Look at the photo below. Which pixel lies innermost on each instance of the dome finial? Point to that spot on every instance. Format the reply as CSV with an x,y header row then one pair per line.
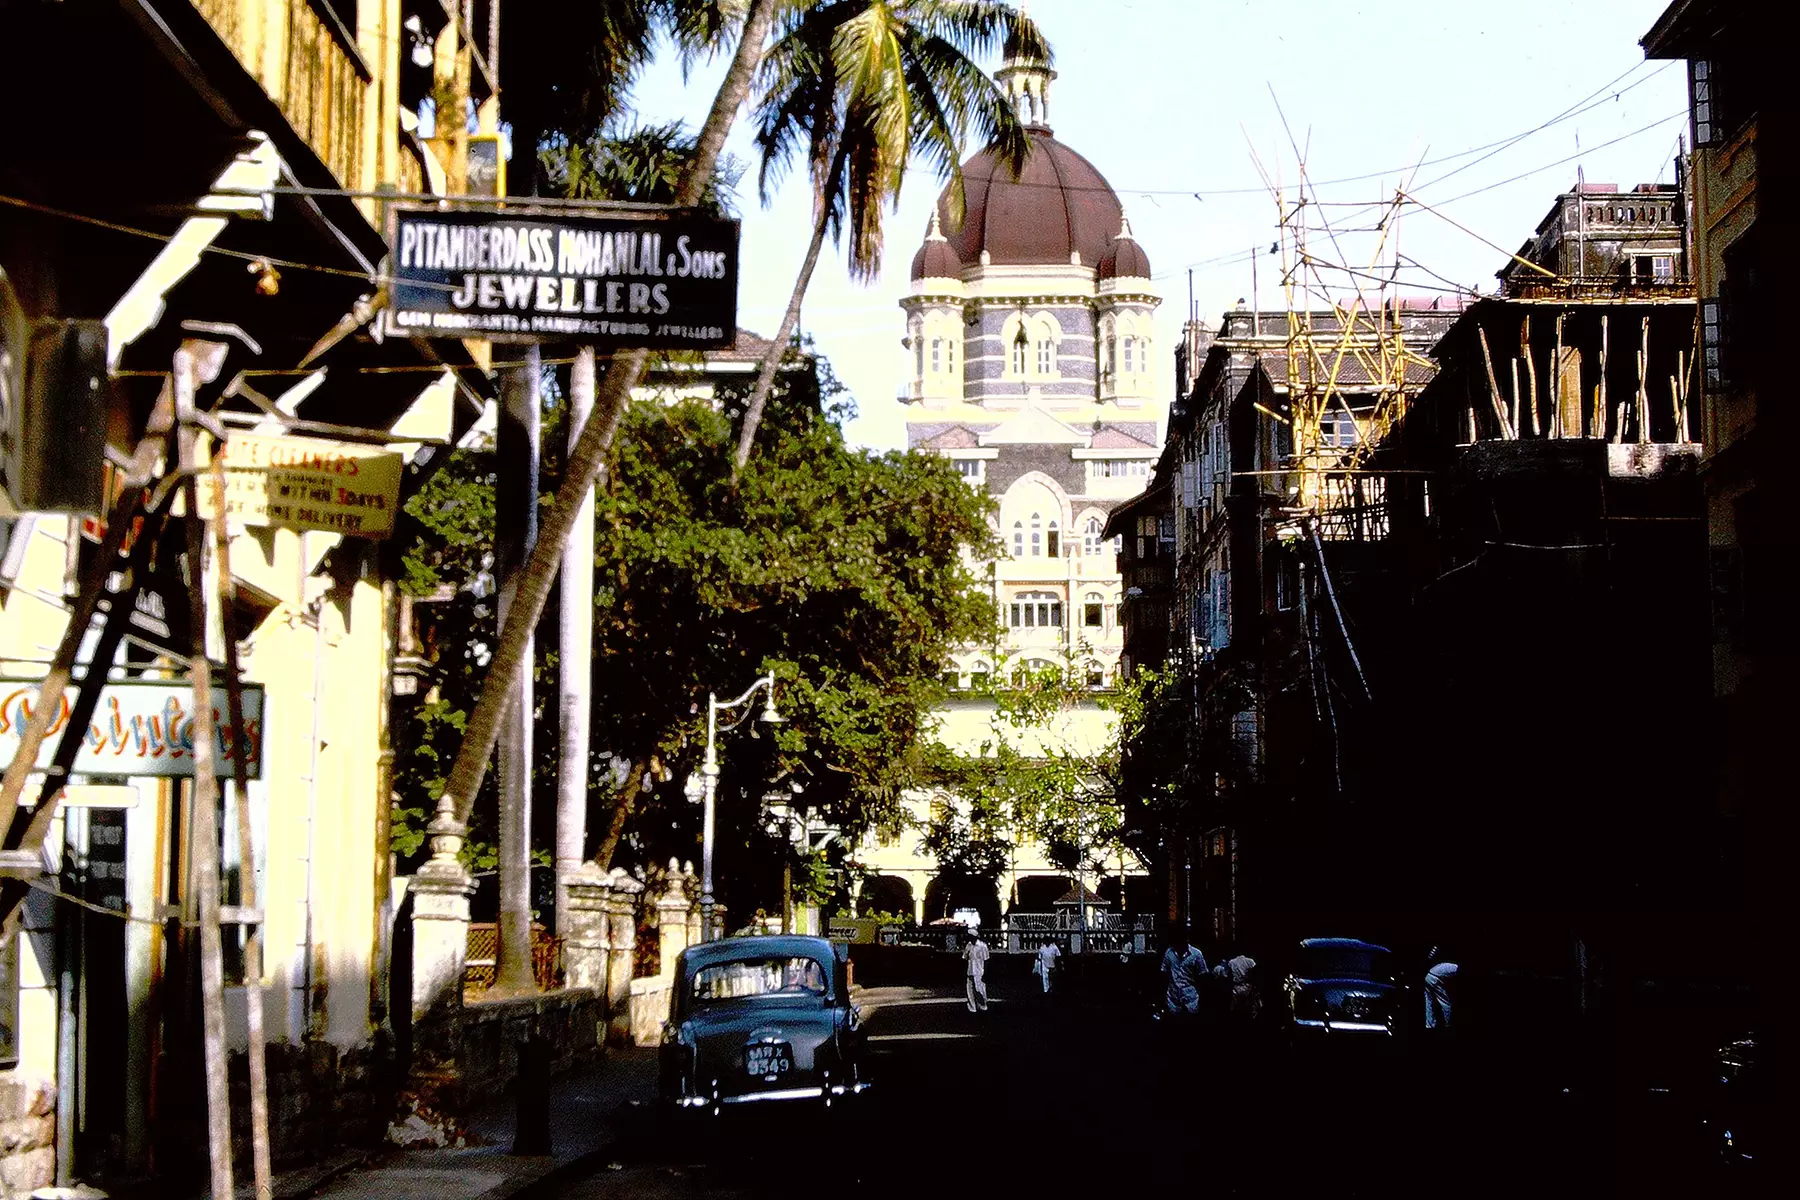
x,y
1124,226
1026,74
936,232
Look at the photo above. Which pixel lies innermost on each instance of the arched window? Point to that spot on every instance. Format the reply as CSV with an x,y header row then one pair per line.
x,y
1090,541
980,675
1037,536
1018,539
1036,610
1055,540
1093,610
937,355
1046,356
1019,345
950,355
1128,360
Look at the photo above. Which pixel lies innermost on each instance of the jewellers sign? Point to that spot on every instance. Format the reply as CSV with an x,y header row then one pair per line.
x,y
618,281
138,729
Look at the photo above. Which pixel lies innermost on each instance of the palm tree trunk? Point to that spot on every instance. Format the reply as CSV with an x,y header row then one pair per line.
x,y
575,660
622,809
771,361
585,461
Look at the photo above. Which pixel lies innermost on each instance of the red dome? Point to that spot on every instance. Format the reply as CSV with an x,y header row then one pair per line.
x,y
935,259
1059,205
1125,259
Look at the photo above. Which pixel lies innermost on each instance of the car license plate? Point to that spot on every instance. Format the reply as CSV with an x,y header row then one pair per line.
x,y
768,1061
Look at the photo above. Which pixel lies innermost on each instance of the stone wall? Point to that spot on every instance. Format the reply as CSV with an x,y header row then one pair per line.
x,y
27,1134
321,1099
572,1021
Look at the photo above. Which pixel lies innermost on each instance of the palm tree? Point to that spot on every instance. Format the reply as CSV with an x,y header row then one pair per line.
x,y
568,68
860,86
585,457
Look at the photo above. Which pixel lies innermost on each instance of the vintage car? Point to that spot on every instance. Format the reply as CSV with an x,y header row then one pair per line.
x,y
1341,985
761,1019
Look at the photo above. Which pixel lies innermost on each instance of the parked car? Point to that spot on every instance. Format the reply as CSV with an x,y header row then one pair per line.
x,y
1342,985
761,1019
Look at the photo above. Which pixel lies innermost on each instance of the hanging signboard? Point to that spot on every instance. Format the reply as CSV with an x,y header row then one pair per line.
x,y
139,728
660,281
304,483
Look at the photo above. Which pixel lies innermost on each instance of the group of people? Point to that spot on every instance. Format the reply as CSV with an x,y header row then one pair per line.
x,y
975,957
1184,974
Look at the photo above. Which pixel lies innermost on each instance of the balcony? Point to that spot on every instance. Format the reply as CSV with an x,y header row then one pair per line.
x,y
308,63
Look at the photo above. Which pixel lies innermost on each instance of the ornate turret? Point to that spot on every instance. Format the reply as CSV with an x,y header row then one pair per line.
x,y
1026,76
936,259
1126,259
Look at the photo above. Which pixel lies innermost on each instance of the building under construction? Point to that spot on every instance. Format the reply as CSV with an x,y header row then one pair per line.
x,y
1440,605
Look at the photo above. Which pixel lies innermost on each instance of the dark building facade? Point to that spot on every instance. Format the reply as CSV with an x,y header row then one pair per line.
x,y
1598,237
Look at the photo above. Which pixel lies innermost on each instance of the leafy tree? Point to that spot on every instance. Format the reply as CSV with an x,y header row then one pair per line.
x,y
859,87
1034,777
840,570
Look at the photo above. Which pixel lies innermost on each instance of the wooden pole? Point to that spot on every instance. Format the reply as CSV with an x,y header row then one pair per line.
x,y
1529,428
1601,410
1643,396
1531,378
203,849
256,1052
1487,357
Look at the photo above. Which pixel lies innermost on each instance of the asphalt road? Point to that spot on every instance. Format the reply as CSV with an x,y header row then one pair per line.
x,y
1085,1096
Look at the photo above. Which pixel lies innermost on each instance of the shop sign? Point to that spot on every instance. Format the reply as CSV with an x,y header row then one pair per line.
x,y
305,483
139,728
664,279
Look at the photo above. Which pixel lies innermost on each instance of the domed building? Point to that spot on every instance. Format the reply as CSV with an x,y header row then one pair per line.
x,y
1031,336
1029,330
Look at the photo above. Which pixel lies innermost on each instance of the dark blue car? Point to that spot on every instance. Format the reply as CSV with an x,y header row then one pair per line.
x,y
1343,986
761,1019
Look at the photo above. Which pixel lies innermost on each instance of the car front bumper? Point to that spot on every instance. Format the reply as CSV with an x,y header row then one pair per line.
x,y
778,1094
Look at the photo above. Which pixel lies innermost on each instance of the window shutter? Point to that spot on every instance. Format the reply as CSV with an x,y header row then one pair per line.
x,y
1700,97
1712,343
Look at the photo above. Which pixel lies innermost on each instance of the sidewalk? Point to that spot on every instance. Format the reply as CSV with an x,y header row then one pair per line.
x,y
584,1118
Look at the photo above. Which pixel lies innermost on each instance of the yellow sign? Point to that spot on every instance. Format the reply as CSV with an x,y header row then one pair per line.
x,y
304,483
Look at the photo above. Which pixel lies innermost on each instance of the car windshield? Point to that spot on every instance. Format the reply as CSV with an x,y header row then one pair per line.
x,y
772,976
1344,962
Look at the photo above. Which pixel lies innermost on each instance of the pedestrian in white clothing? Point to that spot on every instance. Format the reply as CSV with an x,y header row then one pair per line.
x,y
1439,984
975,956
1047,955
1183,969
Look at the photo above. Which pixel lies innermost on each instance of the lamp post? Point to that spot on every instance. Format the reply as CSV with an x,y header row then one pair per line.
x,y
709,771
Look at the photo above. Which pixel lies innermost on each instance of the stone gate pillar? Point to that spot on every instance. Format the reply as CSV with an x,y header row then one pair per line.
x,y
673,909
586,937
440,895
621,908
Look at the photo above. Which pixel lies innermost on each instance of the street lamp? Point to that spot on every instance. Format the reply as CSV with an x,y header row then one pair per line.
x,y
709,771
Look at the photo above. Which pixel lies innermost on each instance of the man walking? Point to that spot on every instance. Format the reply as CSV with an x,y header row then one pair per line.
x,y
1047,955
975,956
1183,970
1439,984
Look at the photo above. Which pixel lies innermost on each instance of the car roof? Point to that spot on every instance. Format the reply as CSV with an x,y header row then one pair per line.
x,y
737,949
1340,944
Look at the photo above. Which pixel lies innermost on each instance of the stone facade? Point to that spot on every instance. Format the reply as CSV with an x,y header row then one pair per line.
x,y
27,1134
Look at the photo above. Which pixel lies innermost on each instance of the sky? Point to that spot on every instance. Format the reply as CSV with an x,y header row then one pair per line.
x,y
1177,102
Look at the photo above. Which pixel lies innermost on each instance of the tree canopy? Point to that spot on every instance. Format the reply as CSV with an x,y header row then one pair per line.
x,y
840,570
